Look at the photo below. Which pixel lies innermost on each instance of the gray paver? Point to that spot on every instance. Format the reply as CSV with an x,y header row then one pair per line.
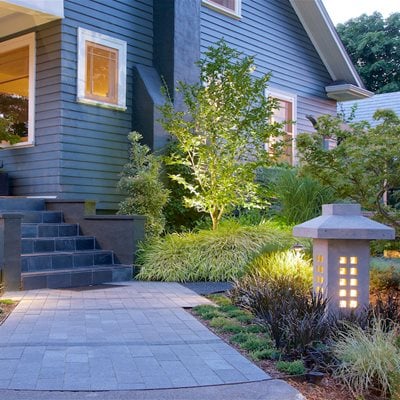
x,y
123,337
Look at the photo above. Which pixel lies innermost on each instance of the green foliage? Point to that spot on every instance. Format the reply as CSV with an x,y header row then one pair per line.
x,y
300,198
277,291
222,132
11,109
208,255
140,181
178,216
264,354
363,166
207,312
227,325
291,367
373,44
368,359
256,343
384,278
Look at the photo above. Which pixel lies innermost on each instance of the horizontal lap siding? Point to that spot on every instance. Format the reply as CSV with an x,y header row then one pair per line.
x,y
94,139
270,30
35,170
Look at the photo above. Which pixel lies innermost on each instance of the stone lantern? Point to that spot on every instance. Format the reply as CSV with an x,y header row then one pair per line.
x,y
341,254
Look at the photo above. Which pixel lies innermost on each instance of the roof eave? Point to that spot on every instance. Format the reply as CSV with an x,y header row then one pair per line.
x,y
322,33
347,91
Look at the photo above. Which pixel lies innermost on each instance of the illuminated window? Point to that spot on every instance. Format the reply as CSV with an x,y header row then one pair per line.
x,y
343,271
320,269
343,260
343,304
353,260
342,282
231,7
17,87
285,114
353,271
342,292
101,70
320,259
353,293
353,303
353,282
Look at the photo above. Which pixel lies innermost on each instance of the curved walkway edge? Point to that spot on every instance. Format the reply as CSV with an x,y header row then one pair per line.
x,y
132,339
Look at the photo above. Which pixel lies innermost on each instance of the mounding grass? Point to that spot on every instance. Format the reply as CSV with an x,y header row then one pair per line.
x,y
219,255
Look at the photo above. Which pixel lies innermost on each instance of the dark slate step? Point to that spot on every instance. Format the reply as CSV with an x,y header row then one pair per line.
x,y
66,260
75,278
49,230
38,217
58,244
21,204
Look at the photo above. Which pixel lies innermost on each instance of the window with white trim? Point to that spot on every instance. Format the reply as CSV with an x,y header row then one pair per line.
x,y
286,114
230,7
101,70
17,87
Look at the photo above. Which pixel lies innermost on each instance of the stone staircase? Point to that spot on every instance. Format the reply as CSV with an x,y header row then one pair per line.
x,y
55,254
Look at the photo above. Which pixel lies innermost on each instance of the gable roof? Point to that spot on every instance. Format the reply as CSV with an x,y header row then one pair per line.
x,y
347,83
366,108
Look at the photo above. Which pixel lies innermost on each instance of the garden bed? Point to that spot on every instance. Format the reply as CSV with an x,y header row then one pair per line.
x,y
232,324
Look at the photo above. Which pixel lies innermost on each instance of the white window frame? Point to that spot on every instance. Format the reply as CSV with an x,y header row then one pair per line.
x,y
292,98
16,43
84,36
237,13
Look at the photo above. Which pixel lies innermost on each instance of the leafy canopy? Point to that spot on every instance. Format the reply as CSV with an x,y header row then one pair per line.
x,y
373,44
221,133
363,166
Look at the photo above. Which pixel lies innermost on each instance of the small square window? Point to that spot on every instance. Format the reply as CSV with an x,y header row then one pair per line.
x,y
101,70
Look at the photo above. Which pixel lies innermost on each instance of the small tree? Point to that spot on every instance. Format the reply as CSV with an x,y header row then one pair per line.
x,y
140,180
222,132
363,166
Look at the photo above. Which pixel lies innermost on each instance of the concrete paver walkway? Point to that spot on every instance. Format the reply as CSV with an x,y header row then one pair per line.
x,y
131,336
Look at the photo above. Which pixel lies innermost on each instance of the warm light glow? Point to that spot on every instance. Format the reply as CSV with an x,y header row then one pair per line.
x,y
353,293
342,282
320,258
353,282
320,269
320,279
343,260
343,271
354,260
343,304
353,303
101,72
353,271
342,292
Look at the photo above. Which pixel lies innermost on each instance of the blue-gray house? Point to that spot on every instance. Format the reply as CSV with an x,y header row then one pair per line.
x,y
76,76
81,74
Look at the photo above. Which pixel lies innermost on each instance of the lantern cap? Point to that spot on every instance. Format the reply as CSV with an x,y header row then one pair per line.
x,y
343,221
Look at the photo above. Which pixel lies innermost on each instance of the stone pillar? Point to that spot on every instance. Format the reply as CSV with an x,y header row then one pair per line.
x,y
10,250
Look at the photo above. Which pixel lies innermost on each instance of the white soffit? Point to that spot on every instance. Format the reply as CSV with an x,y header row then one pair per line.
x,y
322,33
20,15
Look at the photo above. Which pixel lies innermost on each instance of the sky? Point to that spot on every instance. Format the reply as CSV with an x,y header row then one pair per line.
x,y
342,10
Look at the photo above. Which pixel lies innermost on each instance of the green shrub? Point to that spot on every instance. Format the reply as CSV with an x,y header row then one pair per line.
x,y
265,354
227,325
384,278
178,217
241,337
219,255
280,297
291,367
256,343
300,198
140,181
207,312
368,359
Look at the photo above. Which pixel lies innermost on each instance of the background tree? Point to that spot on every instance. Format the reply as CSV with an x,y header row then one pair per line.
x,y
222,132
140,180
363,166
373,44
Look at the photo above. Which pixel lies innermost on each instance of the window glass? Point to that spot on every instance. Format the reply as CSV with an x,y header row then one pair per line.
x,y
230,4
14,90
101,73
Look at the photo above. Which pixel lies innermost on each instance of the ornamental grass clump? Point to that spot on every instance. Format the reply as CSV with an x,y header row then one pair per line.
x,y
219,255
368,359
